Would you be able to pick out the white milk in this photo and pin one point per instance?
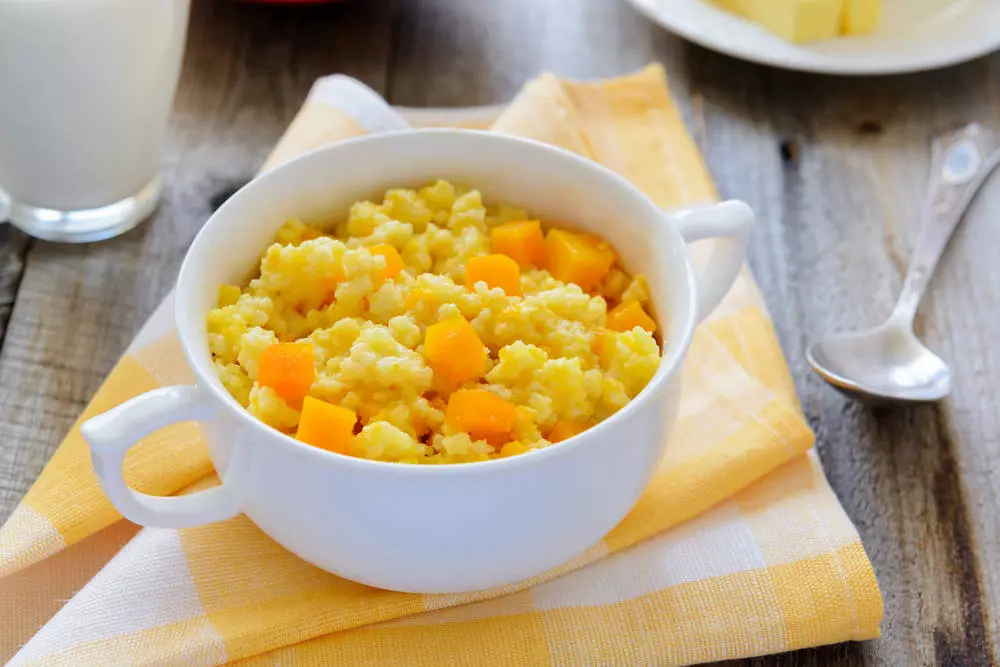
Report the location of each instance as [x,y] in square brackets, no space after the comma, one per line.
[85,91]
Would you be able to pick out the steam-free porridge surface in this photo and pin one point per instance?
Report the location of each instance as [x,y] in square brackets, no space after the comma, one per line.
[423,329]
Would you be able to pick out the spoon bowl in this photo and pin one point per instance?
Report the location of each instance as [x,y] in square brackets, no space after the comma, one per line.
[888,364]
[883,365]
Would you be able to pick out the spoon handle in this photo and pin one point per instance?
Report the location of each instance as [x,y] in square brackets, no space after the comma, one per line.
[961,162]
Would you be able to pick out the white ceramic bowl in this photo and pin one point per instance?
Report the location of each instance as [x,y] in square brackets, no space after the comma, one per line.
[416,528]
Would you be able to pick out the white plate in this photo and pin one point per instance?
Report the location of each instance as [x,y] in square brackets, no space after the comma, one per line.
[915,35]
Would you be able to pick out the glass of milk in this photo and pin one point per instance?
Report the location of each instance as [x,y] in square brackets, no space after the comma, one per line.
[86,87]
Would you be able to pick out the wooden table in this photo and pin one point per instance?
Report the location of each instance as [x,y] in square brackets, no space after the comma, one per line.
[834,167]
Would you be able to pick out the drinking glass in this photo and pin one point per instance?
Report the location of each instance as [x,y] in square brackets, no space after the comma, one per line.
[86,88]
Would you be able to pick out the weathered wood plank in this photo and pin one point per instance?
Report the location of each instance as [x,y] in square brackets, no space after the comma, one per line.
[467,53]
[13,248]
[838,214]
[246,72]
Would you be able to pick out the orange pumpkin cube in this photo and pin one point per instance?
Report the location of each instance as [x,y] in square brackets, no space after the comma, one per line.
[496,271]
[288,369]
[566,429]
[513,448]
[480,413]
[327,426]
[603,345]
[328,285]
[417,297]
[584,259]
[393,262]
[454,351]
[521,240]
[628,315]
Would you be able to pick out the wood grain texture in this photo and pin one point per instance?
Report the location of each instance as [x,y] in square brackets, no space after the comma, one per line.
[839,212]
[834,167]
[13,247]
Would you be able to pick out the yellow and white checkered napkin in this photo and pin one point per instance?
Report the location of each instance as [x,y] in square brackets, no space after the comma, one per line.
[737,548]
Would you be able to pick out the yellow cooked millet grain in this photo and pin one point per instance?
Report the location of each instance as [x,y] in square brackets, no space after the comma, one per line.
[324,287]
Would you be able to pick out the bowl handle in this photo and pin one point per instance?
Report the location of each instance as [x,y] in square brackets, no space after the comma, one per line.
[730,223]
[113,433]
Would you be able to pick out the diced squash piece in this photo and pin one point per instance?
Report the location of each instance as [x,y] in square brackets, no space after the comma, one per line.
[328,285]
[419,424]
[583,259]
[288,369]
[628,315]
[418,297]
[597,242]
[512,448]
[566,429]
[496,271]
[480,413]
[454,351]
[393,262]
[228,295]
[521,240]
[327,426]
[603,345]
[594,241]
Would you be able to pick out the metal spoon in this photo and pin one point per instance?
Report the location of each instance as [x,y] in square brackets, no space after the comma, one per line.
[888,364]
